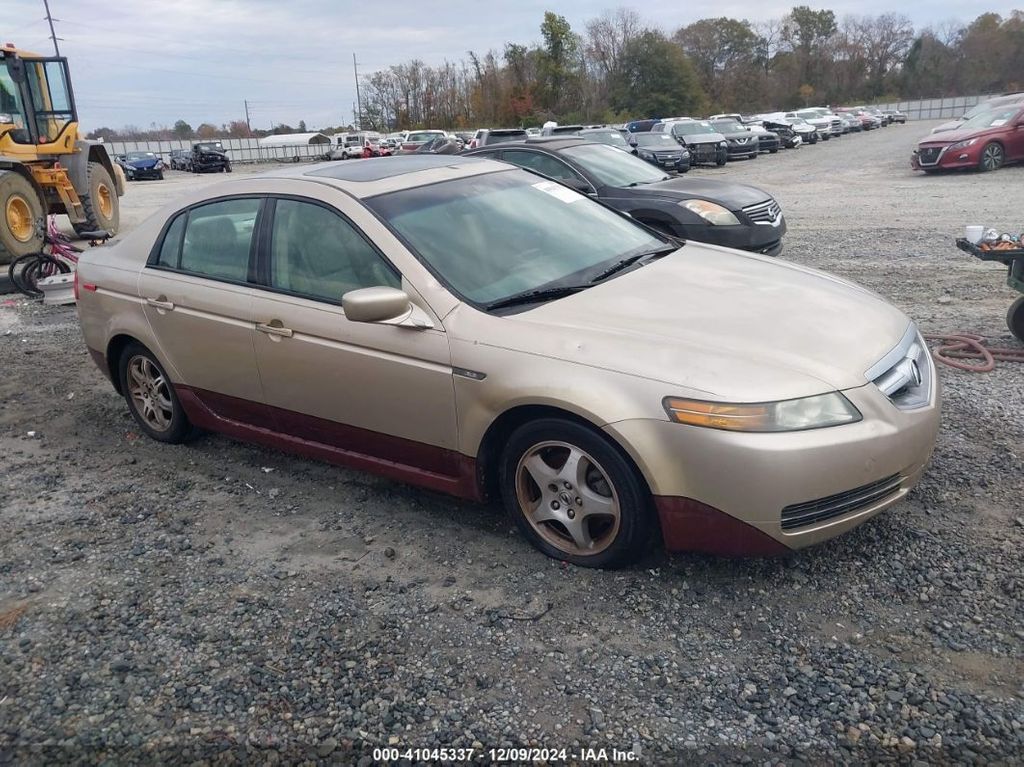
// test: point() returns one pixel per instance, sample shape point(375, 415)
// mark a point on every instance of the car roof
point(371, 177)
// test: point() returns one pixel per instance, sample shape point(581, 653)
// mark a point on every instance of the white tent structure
point(294, 139)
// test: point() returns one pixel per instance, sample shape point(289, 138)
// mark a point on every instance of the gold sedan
point(477, 329)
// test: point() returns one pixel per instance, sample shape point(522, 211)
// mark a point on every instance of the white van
point(347, 145)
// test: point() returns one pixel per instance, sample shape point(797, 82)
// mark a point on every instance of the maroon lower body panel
point(689, 525)
point(447, 471)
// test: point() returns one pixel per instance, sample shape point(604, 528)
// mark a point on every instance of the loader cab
point(36, 101)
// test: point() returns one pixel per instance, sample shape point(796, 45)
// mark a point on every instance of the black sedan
point(662, 150)
point(706, 210)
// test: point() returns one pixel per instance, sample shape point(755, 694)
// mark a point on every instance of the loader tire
point(21, 217)
point(100, 202)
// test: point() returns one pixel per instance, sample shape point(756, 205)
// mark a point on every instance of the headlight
point(711, 212)
point(964, 144)
point(789, 415)
point(647, 155)
point(722, 143)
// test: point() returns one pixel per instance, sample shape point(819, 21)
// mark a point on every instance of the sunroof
point(386, 167)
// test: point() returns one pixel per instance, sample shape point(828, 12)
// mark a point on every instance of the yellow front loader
point(45, 166)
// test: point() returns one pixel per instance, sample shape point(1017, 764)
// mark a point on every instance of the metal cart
point(1014, 261)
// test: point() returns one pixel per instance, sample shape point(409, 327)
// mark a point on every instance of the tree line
point(619, 67)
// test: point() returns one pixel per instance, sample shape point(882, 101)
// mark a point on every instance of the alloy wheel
point(150, 394)
point(991, 157)
point(567, 498)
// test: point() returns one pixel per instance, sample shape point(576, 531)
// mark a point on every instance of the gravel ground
point(225, 604)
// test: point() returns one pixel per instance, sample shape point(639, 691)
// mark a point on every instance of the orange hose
point(970, 346)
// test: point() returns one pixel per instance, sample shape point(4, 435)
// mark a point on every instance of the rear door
point(198, 301)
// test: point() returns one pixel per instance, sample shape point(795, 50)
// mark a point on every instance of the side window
point(217, 239)
point(541, 163)
point(315, 252)
point(170, 249)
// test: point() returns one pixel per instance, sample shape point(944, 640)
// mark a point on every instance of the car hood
point(730, 194)
point(952, 136)
point(703, 138)
point(737, 326)
point(732, 135)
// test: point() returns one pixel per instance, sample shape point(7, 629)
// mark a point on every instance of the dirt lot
point(224, 603)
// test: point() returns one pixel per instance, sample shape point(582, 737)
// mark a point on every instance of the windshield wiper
point(536, 296)
point(618, 266)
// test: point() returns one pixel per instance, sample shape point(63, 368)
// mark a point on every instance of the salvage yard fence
point(936, 109)
point(240, 150)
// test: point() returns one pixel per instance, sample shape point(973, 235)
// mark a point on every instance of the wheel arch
point(78, 166)
point(14, 166)
point(488, 456)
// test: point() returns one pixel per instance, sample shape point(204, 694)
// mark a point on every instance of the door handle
point(274, 328)
point(161, 303)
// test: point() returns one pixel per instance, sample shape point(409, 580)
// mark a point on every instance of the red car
point(986, 141)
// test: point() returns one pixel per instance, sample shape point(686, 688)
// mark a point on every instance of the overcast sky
point(140, 62)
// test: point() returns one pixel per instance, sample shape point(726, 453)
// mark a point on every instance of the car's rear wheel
point(573, 495)
point(151, 397)
point(992, 157)
point(1015, 318)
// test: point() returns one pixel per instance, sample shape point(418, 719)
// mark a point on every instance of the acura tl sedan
point(709, 210)
point(470, 327)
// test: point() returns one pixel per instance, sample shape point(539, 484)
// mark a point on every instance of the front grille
point(832, 506)
point(705, 152)
point(929, 155)
point(764, 213)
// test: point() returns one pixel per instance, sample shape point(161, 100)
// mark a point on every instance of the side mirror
point(384, 305)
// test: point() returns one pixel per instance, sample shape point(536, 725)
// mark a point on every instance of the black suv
point(209, 157)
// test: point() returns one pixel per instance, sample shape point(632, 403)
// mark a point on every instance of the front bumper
point(724, 492)
point(756, 238)
point(146, 172)
point(742, 150)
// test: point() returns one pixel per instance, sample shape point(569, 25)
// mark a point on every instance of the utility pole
point(248, 124)
point(359, 101)
point(53, 34)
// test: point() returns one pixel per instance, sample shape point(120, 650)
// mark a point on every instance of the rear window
point(424, 135)
point(496, 136)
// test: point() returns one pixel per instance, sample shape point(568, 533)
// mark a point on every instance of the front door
point(198, 302)
point(374, 390)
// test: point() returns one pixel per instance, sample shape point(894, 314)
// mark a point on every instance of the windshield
point(656, 140)
point(612, 167)
point(495, 235)
point(808, 115)
point(141, 156)
point(727, 126)
point(611, 138)
point(992, 119)
point(691, 128)
point(424, 135)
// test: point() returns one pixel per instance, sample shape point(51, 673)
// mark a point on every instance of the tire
point(619, 525)
point(773, 151)
point(22, 216)
point(227, 167)
point(17, 269)
point(161, 415)
point(721, 160)
point(1015, 319)
point(102, 209)
point(160, 176)
point(992, 157)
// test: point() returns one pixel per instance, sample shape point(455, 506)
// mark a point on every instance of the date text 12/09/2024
point(506, 755)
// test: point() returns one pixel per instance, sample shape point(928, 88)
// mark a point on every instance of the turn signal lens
point(788, 415)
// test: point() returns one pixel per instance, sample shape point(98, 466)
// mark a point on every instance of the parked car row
point(985, 138)
point(203, 157)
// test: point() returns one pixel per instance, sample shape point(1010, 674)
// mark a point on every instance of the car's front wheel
point(1015, 318)
point(151, 397)
point(573, 495)
point(992, 157)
